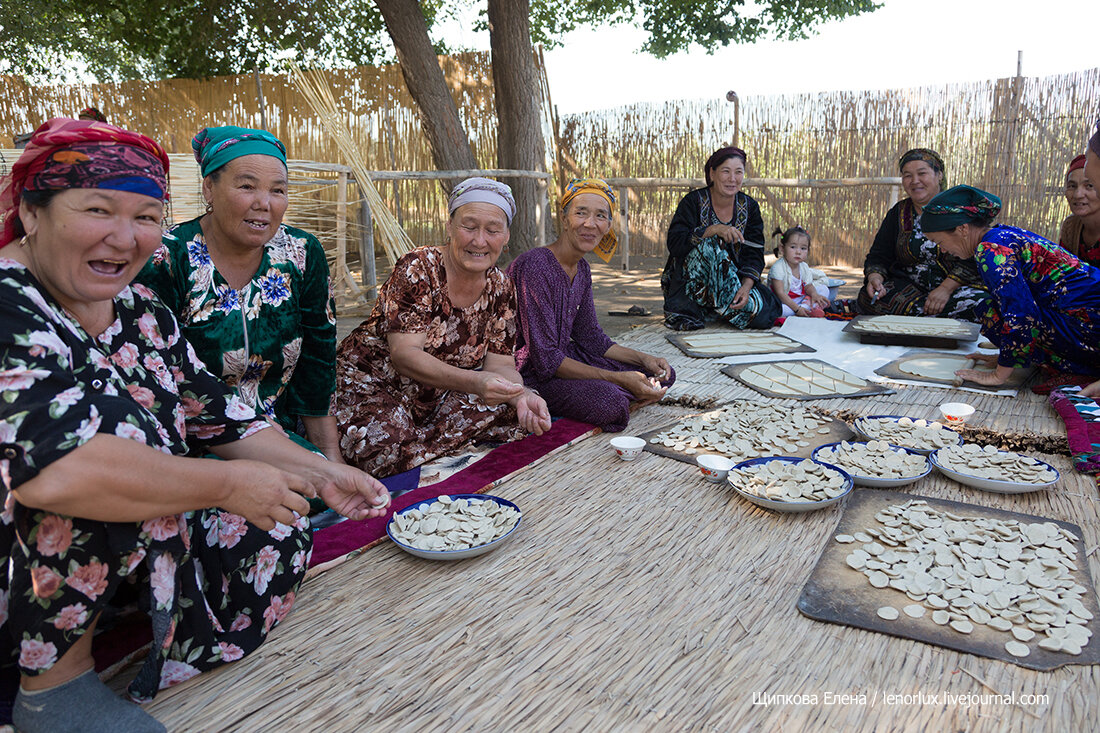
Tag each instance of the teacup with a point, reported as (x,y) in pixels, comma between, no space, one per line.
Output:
(714,468)
(627,448)
(956,413)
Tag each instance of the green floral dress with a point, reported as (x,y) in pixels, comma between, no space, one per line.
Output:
(214,585)
(274,340)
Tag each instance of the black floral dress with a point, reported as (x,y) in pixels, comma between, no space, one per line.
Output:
(215,584)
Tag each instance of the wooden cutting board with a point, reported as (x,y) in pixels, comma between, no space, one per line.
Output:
(837,594)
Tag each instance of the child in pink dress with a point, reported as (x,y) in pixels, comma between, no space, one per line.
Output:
(790,277)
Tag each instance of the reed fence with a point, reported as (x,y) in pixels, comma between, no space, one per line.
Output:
(1010,136)
(1013,137)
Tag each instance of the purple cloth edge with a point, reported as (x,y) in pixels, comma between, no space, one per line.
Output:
(340,539)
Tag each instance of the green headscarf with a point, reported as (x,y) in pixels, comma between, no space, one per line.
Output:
(216,146)
(959,205)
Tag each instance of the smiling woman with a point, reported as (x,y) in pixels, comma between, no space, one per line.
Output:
(562,351)
(251,293)
(431,368)
(102,403)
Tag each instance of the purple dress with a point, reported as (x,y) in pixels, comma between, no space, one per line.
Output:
(557,319)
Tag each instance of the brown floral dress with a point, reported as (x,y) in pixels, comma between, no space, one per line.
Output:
(390,423)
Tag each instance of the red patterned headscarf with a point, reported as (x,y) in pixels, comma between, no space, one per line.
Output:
(66,153)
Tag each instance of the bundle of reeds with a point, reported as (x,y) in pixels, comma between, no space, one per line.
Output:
(315,89)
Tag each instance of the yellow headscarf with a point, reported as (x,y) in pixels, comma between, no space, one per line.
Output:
(598,186)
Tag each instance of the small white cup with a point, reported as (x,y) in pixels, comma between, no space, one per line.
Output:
(714,468)
(627,448)
(956,413)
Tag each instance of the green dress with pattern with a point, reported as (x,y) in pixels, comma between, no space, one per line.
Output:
(272,341)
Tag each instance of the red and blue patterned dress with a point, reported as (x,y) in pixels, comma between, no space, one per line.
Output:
(1046,302)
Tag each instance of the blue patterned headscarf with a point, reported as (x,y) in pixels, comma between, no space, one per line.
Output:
(485,191)
(957,206)
(216,146)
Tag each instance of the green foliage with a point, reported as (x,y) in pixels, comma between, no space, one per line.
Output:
(54,40)
(679,25)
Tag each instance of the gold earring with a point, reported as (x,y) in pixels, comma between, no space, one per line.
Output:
(23,241)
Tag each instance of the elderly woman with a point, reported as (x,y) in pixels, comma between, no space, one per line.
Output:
(716,253)
(102,402)
(1045,305)
(431,368)
(250,292)
(561,350)
(1080,232)
(905,273)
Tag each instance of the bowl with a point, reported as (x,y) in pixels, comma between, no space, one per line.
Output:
(714,468)
(794,507)
(956,413)
(857,426)
(875,481)
(453,554)
(627,448)
(994,485)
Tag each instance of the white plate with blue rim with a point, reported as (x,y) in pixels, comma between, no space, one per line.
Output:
(858,425)
(823,454)
(480,549)
(995,485)
(788,506)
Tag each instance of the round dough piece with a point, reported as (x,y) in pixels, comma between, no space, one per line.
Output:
(1017,649)
(888,612)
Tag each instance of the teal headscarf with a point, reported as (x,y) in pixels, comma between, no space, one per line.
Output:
(959,205)
(216,146)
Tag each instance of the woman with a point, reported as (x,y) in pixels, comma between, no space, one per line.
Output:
(716,253)
(251,293)
(561,350)
(1045,305)
(96,378)
(905,273)
(1080,232)
(431,368)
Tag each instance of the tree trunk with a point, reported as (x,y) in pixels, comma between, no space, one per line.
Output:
(419,65)
(519,122)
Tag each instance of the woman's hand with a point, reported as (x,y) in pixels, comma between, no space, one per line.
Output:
(980,376)
(742,296)
(263,494)
(496,390)
(643,388)
(657,367)
(937,299)
(351,492)
(1093,390)
(726,232)
(532,414)
(876,287)
(980,358)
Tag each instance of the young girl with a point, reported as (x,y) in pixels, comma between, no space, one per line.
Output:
(790,277)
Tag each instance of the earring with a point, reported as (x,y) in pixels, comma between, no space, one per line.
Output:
(23,241)
(209,207)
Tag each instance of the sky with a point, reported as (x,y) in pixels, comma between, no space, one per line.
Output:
(906,43)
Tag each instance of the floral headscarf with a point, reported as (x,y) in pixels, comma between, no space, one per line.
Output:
(216,146)
(606,246)
(65,153)
(957,206)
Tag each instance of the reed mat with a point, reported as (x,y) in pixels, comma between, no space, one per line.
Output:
(636,597)
(1025,420)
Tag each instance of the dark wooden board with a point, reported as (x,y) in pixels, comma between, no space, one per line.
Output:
(835,593)
(891,339)
(680,341)
(893,371)
(734,370)
(838,430)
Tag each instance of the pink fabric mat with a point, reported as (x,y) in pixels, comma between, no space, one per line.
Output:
(332,545)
